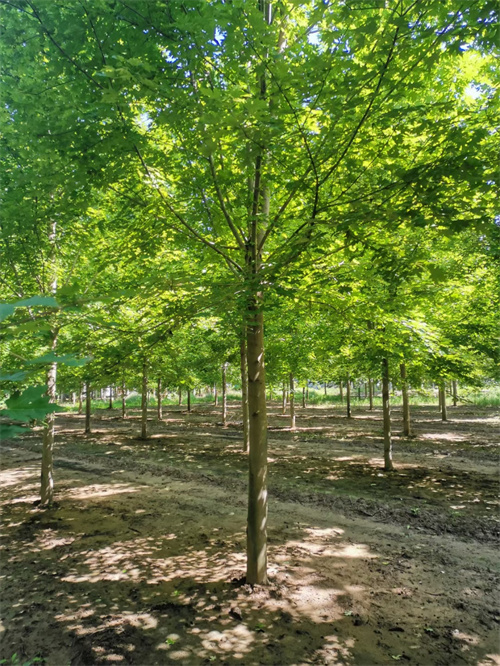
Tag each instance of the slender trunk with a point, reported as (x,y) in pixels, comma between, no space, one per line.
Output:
(189,399)
(303,397)
(406,402)
(348,397)
(442,393)
(366,390)
(88,407)
(341,391)
(325,388)
(292,402)
(283,400)
(455,392)
(359,392)
(440,399)
(370,392)
(388,466)
(180,396)
(144,403)
(47,473)
(216,397)
(159,406)
(110,406)
(124,402)
(257,481)
(80,400)
(224,395)
(244,392)
(307,392)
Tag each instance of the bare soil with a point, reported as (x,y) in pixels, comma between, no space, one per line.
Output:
(141,560)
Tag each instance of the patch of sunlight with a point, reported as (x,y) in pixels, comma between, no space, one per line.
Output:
(336,476)
(100,490)
(446,436)
(325,532)
(490,660)
(48,540)
(11,477)
(142,621)
(234,641)
(466,638)
(333,650)
(457,506)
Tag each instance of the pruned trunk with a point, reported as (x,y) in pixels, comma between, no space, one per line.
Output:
(348,397)
(442,393)
(370,392)
(144,402)
(366,390)
(110,406)
(455,392)
(216,397)
(189,399)
(283,400)
(180,396)
(257,479)
(303,397)
(386,405)
(341,391)
(244,392)
(325,388)
(359,391)
(88,407)
(292,402)
(406,402)
(224,395)
(158,399)
(80,400)
(47,473)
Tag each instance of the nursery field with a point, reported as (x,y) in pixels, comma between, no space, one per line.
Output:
(141,559)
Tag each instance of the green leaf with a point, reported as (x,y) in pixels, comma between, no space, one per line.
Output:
(66,359)
(30,405)
(14,377)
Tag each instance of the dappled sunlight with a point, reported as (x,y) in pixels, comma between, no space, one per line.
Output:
(12,477)
(100,490)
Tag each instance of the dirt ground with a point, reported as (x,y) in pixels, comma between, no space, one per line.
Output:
(141,560)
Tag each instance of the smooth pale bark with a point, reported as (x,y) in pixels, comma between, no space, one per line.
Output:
(216,397)
(292,402)
(386,408)
(244,393)
(341,392)
(454,386)
(442,393)
(47,473)
(144,403)
(257,478)
(180,396)
(348,397)
(283,400)
(406,402)
(80,400)
(124,402)
(370,392)
(224,395)
(88,407)
(189,399)
(158,399)
(439,399)
(303,397)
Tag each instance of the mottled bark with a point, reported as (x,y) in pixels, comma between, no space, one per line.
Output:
(341,392)
(244,392)
(47,473)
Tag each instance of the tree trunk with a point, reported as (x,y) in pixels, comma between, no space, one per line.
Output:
(442,393)
(224,395)
(216,397)
(440,400)
(283,400)
(257,481)
(47,474)
(303,397)
(88,407)
(388,466)
(124,402)
(366,390)
(455,392)
(180,396)
(158,399)
(144,403)
(307,392)
(325,388)
(189,399)
(292,402)
(244,392)
(406,402)
(359,392)
(110,406)
(370,392)
(341,391)
(80,400)
(348,397)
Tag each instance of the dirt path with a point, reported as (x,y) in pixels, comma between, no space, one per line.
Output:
(141,560)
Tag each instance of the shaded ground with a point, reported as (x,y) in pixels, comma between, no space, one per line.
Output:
(140,561)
